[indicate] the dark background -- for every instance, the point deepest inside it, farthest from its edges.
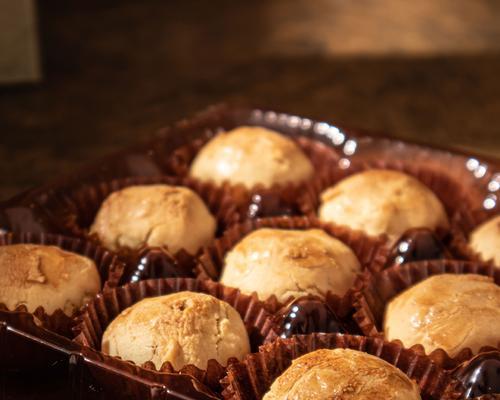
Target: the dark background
(117, 71)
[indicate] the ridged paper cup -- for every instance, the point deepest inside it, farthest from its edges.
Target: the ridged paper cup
(463, 223)
(371, 301)
(110, 269)
(104, 308)
(259, 201)
(252, 378)
(451, 192)
(33, 354)
(372, 254)
(75, 210)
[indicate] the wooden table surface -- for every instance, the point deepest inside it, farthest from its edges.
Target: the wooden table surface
(119, 71)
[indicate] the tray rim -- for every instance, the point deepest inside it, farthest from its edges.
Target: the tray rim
(226, 107)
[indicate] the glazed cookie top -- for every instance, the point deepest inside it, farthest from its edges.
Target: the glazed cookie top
(447, 311)
(249, 156)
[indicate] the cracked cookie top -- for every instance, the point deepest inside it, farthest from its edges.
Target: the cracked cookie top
(251, 155)
(290, 263)
(37, 275)
(154, 215)
(181, 328)
(342, 374)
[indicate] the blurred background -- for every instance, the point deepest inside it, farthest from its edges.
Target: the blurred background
(81, 79)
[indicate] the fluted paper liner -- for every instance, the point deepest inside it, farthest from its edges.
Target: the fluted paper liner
(370, 302)
(285, 195)
(450, 192)
(31, 348)
(371, 252)
(186, 383)
(105, 307)
(252, 378)
(109, 267)
(75, 210)
(463, 223)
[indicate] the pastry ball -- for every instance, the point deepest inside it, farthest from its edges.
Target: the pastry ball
(290, 263)
(446, 311)
(36, 275)
(485, 240)
(342, 374)
(154, 215)
(382, 201)
(250, 156)
(183, 328)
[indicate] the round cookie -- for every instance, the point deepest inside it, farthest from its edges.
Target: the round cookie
(382, 202)
(182, 328)
(154, 215)
(485, 240)
(447, 311)
(250, 156)
(37, 275)
(289, 263)
(342, 374)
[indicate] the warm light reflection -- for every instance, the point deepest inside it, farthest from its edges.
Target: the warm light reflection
(472, 164)
(350, 147)
(490, 202)
(480, 171)
(344, 163)
(494, 184)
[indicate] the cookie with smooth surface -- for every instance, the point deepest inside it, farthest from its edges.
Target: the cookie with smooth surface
(251, 155)
(182, 328)
(154, 215)
(290, 263)
(37, 275)
(485, 240)
(382, 202)
(447, 311)
(342, 374)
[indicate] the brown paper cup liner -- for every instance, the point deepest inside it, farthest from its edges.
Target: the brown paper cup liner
(252, 378)
(450, 191)
(75, 210)
(371, 252)
(30, 348)
(463, 223)
(109, 267)
(104, 308)
(370, 302)
(185, 383)
(280, 199)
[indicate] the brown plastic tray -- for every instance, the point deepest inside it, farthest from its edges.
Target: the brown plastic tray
(38, 364)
